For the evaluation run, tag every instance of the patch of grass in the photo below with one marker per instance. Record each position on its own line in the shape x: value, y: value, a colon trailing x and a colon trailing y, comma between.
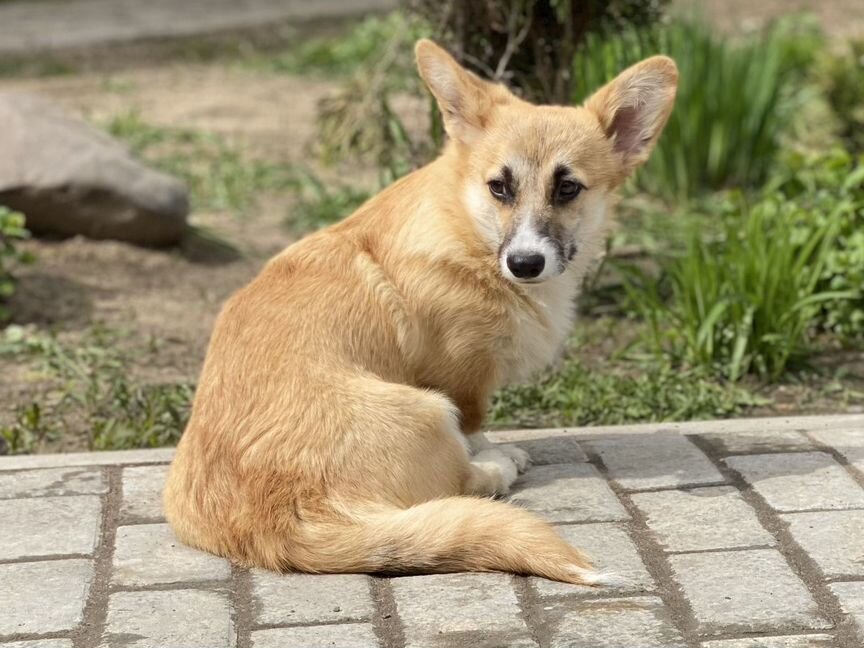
x: 12, y: 232
x: 735, y: 99
x: 842, y: 75
x: 89, y: 389
x: 577, y: 395
x: 219, y: 176
x: 320, y: 203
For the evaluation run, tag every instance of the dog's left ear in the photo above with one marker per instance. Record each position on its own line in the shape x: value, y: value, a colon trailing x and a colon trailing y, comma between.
x: 633, y: 108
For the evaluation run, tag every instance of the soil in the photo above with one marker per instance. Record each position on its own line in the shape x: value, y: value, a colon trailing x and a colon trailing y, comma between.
x: 174, y: 295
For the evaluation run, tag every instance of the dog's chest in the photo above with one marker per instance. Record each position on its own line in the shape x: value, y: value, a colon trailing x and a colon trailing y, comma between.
x: 538, y: 333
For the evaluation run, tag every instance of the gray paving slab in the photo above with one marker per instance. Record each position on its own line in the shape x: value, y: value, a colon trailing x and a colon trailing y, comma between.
x: 573, y: 492
x: 757, y: 441
x: 461, y: 610
x: 543, y: 446
x: 662, y: 460
x: 40, y: 643
x: 800, y: 481
x: 323, y: 636
x: 699, y: 519
x: 834, y: 539
x: 150, y: 554
x: 52, y: 482
x: 283, y: 599
x: 142, y: 492
x: 851, y: 598
x: 49, y: 526
x: 43, y: 597
x: 753, y: 590
x: 788, y: 641
x: 610, y: 548
x: 848, y: 441
x: 169, y: 619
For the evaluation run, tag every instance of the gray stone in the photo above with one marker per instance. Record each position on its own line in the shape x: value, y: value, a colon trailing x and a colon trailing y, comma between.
x: 169, y: 619
x: 851, y: 597
x: 800, y: 481
x: 760, y: 440
x: 142, y: 492
x: 150, y: 554
x: 49, y: 526
x: 661, y: 460
x: 544, y: 446
x: 611, y: 549
x: 460, y: 611
x: 40, y: 643
x: 40, y: 597
x: 102, y: 458
x: 568, y: 493
x: 324, y: 636
x: 789, y: 641
x: 834, y: 539
x: 617, y: 623
x: 754, y: 590
x: 702, y: 518
x: 303, y: 598
x: 848, y: 441
x: 68, y: 178
x: 55, y: 481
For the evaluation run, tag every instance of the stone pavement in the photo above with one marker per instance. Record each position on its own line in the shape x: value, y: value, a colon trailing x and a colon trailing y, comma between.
x: 738, y: 534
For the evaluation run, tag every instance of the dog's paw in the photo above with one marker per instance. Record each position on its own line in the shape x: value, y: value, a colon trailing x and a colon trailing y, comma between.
x: 517, y: 455
x: 499, y: 467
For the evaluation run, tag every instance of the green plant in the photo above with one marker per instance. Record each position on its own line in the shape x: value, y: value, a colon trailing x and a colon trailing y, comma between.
x: 219, y: 176
x: 843, y: 78
x: 734, y: 101
x: 577, y: 395
x: 745, y: 299
x: 89, y: 390
x: 12, y: 232
x: 320, y: 203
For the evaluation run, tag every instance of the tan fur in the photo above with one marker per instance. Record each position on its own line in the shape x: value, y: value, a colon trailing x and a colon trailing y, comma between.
x: 326, y: 433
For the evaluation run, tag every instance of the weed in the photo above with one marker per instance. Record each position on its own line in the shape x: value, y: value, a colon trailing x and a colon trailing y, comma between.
x: 12, y: 232
x: 220, y: 178
x: 89, y: 389
x: 843, y: 78
x: 320, y: 204
x: 734, y: 99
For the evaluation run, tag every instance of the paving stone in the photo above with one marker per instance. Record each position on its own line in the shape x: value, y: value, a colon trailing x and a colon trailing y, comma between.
x: 851, y: 597
x: 52, y: 481
x: 789, y: 641
x: 324, y: 636
x: 573, y: 492
x: 800, y: 481
x: 142, y: 492
x: 460, y: 611
x: 103, y: 458
x: 544, y: 446
x: 150, y: 554
x: 702, y: 518
x: 834, y: 539
x: 848, y: 441
x: 169, y: 619
x: 40, y: 643
x: 617, y: 623
x: 752, y: 590
x: 49, y: 526
x: 41, y: 597
x: 303, y: 598
x: 662, y: 460
x: 761, y: 441
x: 609, y: 546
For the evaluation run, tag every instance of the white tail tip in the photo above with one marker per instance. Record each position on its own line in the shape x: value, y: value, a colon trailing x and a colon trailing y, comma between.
x: 595, y: 577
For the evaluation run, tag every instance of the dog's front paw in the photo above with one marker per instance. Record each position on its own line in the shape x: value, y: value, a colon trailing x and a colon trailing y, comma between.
x: 517, y: 455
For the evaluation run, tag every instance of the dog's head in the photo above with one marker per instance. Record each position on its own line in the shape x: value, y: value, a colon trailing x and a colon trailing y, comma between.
x: 538, y: 179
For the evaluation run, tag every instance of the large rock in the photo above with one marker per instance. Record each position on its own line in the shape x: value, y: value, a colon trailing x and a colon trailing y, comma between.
x: 68, y: 178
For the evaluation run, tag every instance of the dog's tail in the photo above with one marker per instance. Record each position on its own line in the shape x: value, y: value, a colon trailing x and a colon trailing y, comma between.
x: 446, y: 535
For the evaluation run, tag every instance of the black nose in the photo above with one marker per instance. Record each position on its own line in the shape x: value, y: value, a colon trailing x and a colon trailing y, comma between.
x: 526, y: 266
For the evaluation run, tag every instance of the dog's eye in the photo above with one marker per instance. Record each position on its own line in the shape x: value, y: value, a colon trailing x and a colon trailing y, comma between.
x: 499, y: 189
x: 568, y: 190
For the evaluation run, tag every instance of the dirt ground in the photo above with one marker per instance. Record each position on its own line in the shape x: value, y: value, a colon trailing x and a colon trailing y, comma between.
x: 174, y: 295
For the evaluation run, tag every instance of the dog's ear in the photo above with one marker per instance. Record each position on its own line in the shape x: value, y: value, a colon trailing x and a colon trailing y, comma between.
x: 634, y: 106
x: 465, y: 100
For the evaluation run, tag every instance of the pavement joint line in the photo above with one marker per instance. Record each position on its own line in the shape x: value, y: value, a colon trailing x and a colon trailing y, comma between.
x: 801, y: 564
x: 244, y: 605
x: 653, y: 557
x: 839, y: 457
x: 684, y: 487
x: 688, y: 552
x: 528, y: 603
x: 89, y: 633
x: 33, y: 636
x: 386, y: 623
x: 49, y: 558
x: 255, y: 627
x: 204, y: 585
x: 141, y: 521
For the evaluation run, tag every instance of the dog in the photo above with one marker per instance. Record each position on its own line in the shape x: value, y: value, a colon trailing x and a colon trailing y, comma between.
x: 336, y: 424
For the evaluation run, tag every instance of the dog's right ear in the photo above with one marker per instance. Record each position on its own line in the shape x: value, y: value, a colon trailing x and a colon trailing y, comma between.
x: 464, y: 99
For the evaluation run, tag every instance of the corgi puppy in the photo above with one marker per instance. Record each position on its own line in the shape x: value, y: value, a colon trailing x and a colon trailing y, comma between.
x: 336, y: 425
